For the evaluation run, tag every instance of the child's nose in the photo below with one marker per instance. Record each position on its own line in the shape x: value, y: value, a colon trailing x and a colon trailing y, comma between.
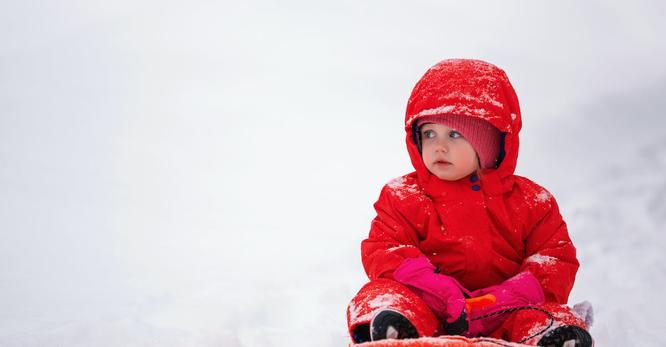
x: 442, y: 146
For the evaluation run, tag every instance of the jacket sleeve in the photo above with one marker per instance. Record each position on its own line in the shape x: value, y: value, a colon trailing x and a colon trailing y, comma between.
x: 551, y: 256
x: 391, y: 240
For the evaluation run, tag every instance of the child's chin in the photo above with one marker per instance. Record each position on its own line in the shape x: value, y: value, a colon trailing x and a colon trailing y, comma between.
x: 446, y: 177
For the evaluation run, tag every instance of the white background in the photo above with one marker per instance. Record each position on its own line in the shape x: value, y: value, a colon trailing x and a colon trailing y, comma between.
x: 201, y: 173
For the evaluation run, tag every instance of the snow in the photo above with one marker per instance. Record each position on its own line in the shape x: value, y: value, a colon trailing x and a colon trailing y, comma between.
x: 385, y: 300
x: 455, y: 109
x: 402, y: 189
x: 434, y: 111
x: 537, y: 329
x: 543, y: 196
x: 202, y: 174
x: 484, y: 98
x: 540, y: 259
x: 393, y: 249
x: 381, y: 301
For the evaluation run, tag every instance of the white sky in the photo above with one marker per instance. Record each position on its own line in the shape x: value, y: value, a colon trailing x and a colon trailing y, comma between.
x: 150, y: 148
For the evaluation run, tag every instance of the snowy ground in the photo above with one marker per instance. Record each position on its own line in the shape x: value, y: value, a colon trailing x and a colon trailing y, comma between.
x: 202, y: 174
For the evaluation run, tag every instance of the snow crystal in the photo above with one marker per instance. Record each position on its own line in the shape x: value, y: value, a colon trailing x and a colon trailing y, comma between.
x: 543, y: 196
x: 540, y: 259
x: 353, y: 311
x: 538, y: 328
x: 561, y: 316
x: 484, y: 97
x: 513, y: 116
x: 437, y: 110
x: 449, y: 109
x: 431, y: 112
x: 355, y: 317
x: 382, y: 301
x: 402, y: 189
x: 392, y: 249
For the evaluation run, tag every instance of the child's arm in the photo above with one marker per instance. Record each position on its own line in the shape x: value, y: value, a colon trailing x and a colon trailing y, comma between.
x: 551, y: 256
x: 391, y: 238
x: 391, y: 251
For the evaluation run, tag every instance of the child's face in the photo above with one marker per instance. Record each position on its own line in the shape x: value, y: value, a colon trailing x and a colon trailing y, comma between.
x: 446, y: 153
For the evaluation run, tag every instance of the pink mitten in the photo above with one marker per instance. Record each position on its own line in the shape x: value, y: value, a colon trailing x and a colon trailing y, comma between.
x: 520, y: 290
x: 443, y: 294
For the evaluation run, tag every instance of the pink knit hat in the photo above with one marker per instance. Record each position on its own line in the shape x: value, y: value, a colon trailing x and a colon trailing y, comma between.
x: 483, y: 136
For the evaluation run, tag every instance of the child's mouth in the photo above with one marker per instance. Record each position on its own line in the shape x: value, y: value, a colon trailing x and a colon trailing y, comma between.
x: 442, y: 162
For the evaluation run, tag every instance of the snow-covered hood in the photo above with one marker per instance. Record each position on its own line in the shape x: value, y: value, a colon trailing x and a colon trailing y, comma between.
x: 472, y: 88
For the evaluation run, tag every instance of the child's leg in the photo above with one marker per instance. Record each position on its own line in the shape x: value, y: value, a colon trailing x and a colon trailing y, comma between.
x: 530, y: 326
x: 382, y: 294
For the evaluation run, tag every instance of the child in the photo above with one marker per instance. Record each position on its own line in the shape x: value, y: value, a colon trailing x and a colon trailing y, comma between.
x: 462, y: 246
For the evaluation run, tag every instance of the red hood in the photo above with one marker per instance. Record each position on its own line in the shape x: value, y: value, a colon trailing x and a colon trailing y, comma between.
x: 470, y: 88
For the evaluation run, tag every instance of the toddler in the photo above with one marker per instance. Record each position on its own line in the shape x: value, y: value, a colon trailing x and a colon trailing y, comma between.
x: 463, y: 246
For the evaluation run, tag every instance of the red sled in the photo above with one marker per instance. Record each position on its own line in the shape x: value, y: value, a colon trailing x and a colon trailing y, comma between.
x: 442, y: 341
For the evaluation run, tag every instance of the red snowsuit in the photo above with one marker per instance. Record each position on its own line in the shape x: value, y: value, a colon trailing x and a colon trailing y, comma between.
x: 481, y: 232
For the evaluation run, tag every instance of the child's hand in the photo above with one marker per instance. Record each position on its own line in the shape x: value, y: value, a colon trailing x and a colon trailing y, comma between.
x: 520, y: 290
x: 443, y: 294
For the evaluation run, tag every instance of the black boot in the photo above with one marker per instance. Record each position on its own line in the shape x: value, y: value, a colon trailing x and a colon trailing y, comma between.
x: 361, y: 333
x: 389, y: 324
x: 557, y: 337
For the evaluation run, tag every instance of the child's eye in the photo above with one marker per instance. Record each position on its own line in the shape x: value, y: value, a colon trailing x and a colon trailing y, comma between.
x: 428, y: 134
x: 454, y: 134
